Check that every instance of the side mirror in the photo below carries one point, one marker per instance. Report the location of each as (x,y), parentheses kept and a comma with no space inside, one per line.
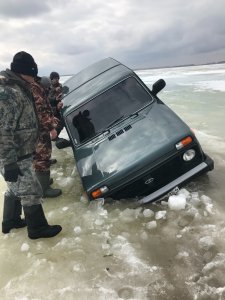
(65,90)
(158,86)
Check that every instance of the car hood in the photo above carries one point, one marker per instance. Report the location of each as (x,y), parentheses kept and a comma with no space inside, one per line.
(133,144)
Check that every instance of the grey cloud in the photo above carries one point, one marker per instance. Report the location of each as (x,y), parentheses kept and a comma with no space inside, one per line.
(22,8)
(141,33)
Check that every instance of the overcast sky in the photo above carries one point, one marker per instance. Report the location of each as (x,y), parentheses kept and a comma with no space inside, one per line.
(68,35)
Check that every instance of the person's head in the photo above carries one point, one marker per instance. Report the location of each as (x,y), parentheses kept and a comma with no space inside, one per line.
(24,64)
(45,82)
(54,76)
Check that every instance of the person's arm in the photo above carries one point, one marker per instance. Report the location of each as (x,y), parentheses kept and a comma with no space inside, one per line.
(9,116)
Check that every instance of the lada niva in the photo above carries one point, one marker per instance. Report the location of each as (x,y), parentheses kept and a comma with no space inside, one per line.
(126,142)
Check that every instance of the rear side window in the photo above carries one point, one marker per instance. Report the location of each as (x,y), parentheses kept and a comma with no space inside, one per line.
(93,117)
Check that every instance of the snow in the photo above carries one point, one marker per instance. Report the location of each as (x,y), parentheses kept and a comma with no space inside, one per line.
(160,214)
(177,202)
(25,247)
(148,213)
(151,225)
(77,230)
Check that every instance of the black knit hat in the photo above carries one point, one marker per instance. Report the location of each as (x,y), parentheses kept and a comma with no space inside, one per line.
(54,75)
(23,63)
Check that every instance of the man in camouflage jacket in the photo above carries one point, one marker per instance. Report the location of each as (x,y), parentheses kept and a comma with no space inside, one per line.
(47,130)
(55,99)
(18,135)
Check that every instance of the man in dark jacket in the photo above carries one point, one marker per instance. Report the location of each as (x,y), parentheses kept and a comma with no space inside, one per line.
(18,136)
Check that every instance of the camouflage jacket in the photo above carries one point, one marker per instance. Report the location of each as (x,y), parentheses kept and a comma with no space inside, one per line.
(47,121)
(18,120)
(55,94)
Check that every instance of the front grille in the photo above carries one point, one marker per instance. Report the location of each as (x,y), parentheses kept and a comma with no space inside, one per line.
(154,179)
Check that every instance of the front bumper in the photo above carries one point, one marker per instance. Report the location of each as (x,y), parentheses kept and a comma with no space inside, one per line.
(203,167)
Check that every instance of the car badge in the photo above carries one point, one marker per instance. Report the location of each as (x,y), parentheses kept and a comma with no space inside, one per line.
(149,180)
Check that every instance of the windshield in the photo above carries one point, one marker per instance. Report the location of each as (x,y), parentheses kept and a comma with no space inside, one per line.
(95,116)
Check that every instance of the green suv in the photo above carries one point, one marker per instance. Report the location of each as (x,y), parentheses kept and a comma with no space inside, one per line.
(127,143)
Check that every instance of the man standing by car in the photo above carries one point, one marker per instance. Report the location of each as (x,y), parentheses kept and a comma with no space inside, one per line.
(55,99)
(47,127)
(18,136)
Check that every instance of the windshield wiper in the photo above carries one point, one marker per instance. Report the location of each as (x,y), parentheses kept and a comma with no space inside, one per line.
(115,121)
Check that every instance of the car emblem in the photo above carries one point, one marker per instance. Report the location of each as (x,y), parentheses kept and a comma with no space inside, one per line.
(149,180)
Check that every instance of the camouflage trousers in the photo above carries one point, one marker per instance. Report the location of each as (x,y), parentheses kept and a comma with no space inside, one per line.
(42,156)
(27,186)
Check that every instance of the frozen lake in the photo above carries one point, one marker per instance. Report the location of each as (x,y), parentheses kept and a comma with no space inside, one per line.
(122,250)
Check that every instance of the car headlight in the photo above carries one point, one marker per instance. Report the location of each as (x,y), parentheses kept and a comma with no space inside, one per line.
(189,155)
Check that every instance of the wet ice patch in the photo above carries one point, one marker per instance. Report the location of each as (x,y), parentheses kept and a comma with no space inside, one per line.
(84,199)
(181,255)
(124,251)
(208,204)
(214,85)
(99,222)
(144,236)
(65,181)
(96,204)
(217,262)
(206,242)
(129,214)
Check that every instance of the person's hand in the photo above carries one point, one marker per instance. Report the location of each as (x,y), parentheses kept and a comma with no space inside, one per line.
(56,122)
(11,172)
(53,134)
(59,105)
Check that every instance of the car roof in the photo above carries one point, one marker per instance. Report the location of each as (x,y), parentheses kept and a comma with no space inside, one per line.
(92,81)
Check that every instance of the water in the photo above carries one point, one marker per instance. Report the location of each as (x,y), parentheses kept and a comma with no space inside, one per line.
(121,250)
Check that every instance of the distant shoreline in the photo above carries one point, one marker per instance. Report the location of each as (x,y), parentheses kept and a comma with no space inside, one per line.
(168,67)
(180,66)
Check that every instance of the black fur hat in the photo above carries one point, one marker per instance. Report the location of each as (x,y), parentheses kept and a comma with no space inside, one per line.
(23,63)
(54,75)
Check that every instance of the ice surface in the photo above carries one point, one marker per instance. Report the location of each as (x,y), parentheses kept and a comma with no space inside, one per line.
(119,250)
(206,242)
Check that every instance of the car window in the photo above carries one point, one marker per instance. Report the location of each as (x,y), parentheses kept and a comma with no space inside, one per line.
(93,117)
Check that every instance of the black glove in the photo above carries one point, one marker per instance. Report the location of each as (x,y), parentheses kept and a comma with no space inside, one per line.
(62,143)
(11,172)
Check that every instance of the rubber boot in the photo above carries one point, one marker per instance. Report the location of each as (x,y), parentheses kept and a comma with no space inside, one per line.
(37,225)
(44,179)
(12,211)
